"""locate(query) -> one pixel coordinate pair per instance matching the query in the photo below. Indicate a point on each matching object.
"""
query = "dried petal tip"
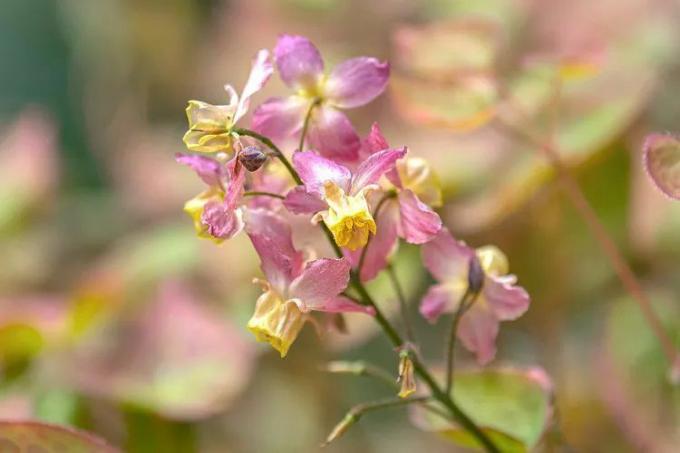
(340, 429)
(252, 158)
(475, 275)
(662, 162)
(406, 377)
(276, 322)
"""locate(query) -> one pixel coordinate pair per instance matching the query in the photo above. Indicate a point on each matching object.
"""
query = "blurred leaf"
(56, 406)
(514, 406)
(662, 162)
(43, 437)
(19, 342)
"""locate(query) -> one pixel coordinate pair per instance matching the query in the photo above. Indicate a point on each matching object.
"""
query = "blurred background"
(115, 318)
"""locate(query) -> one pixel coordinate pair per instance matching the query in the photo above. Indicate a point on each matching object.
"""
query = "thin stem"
(465, 302)
(257, 193)
(277, 152)
(361, 368)
(364, 251)
(602, 236)
(403, 307)
(305, 125)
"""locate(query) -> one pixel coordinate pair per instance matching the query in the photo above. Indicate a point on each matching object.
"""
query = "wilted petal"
(341, 304)
(381, 246)
(209, 170)
(418, 222)
(477, 330)
(415, 173)
(445, 257)
(299, 201)
(357, 81)
(437, 301)
(331, 134)
(209, 127)
(376, 165)
(221, 220)
(320, 281)
(280, 118)
(260, 72)
(504, 299)
(316, 170)
(299, 62)
(662, 162)
(272, 239)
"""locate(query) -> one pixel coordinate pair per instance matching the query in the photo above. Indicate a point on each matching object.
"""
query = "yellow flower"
(406, 377)
(348, 216)
(276, 321)
(417, 175)
(194, 208)
(493, 261)
(209, 127)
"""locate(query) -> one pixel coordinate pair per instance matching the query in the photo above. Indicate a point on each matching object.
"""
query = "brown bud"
(252, 158)
(475, 275)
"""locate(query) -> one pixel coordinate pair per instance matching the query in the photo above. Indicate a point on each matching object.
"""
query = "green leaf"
(43, 437)
(513, 406)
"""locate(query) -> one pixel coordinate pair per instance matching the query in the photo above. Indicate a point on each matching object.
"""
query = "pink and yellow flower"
(499, 299)
(353, 83)
(292, 288)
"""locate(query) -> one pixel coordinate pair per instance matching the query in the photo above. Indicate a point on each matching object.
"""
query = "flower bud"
(341, 428)
(475, 275)
(252, 158)
(406, 378)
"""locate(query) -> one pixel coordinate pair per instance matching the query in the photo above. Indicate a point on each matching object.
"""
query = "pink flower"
(215, 211)
(353, 83)
(408, 214)
(499, 299)
(338, 196)
(292, 287)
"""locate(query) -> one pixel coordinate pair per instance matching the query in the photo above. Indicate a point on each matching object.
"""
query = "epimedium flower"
(338, 196)
(404, 212)
(352, 83)
(498, 298)
(292, 288)
(215, 211)
(210, 126)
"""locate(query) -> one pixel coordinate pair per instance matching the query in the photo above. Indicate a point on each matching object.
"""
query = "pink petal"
(209, 170)
(418, 222)
(477, 331)
(222, 221)
(376, 165)
(445, 257)
(375, 140)
(260, 72)
(264, 181)
(437, 301)
(381, 246)
(341, 304)
(280, 118)
(506, 300)
(320, 281)
(357, 81)
(331, 134)
(237, 177)
(299, 201)
(315, 170)
(299, 62)
(272, 239)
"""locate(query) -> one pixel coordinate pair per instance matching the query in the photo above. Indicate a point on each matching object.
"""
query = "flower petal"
(261, 70)
(341, 304)
(505, 299)
(446, 258)
(316, 170)
(331, 134)
(272, 239)
(662, 162)
(356, 82)
(418, 222)
(209, 170)
(477, 331)
(438, 300)
(320, 281)
(280, 118)
(221, 220)
(299, 62)
(376, 165)
(381, 246)
(299, 201)
(375, 140)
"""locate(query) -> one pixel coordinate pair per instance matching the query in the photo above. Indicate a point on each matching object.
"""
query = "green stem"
(305, 125)
(403, 307)
(277, 152)
(361, 368)
(465, 302)
(257, 193)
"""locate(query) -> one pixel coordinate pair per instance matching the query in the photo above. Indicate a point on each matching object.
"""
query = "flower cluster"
(365, 194)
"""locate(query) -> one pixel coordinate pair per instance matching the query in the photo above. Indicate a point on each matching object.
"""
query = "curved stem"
(465, 302)
(305, 125)
(403, 307)
(381, 203)
(603, 238)
(258, 193)
(277, 152)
